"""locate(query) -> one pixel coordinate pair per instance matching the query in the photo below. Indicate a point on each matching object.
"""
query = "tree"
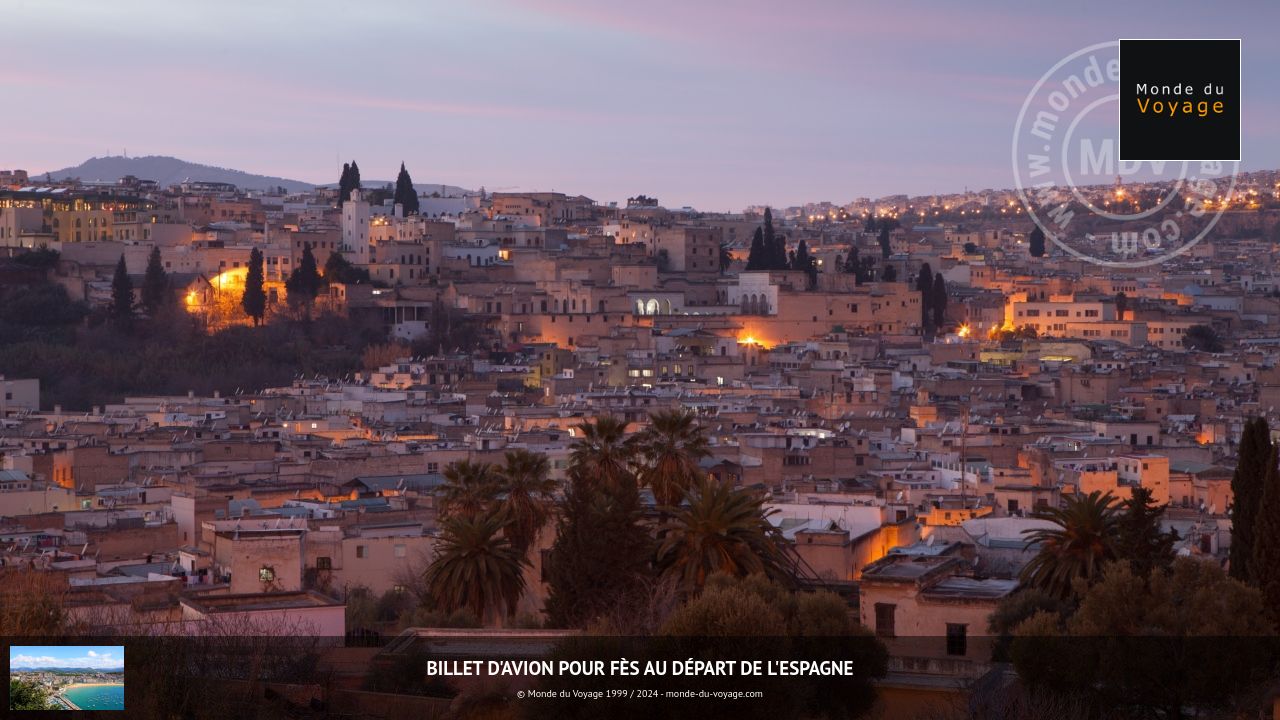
(28, 695)
(1190, 637)
(41, 256)
(254, 300)
(1203, 338)
(970, 249)
(121, 307)
(337, 269)
(1265, 567)
(155, 284)
(406, 196)
(1140, 540)
(924, 285)
(721, 529)
(671, 447)
(938, 299)
(602, 455)
(889, 274)
(754, 617)
(602, 555)
(1035, 242)
(806, 263)
(1122, 302)
(525, 496)
(349, 181)
(885, 248)
(304, 282)
(726, 258)
(1246, 489)
(476, 567)
(469, 488)
(1083, 541)
(775, 246)
(756, 258)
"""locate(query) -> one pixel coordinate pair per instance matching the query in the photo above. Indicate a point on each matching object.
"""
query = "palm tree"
(602, 454)
(476, 566)
(525, 495)
(469, 488)
(1083, 541)
(671, 447)
(720, 529)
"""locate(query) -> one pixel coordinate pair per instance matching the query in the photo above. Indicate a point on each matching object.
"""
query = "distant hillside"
(170, 171)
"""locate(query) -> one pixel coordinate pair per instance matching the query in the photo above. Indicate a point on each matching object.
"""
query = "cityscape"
(385, 419)
(66, 677)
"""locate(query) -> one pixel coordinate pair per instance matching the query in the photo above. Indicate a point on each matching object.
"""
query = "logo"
(1085, 199)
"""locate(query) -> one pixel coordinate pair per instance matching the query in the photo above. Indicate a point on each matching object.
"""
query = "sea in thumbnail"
(96, 697)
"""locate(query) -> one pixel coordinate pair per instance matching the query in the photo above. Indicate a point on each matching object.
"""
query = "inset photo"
(66, 677)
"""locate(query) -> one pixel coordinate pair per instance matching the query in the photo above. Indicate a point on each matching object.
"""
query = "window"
(884, 619)
(957, 639)
(267, 574)
(324, 563)
(360, 551)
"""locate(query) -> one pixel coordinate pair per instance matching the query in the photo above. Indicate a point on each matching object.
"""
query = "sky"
(66, 656)
(706, 103)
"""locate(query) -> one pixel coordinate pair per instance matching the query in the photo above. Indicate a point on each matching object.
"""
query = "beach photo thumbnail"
(66, 677)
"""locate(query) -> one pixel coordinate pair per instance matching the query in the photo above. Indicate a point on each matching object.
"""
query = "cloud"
(92, 660)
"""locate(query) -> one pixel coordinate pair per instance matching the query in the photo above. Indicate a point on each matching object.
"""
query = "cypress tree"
(851, 262)
(756, 259)
(1246, 488)
(781, 258)
(924, 281)
(1140, 541)
(121, 307)
(1265, 564)
(355, 176)
(939, 300)
(924, 285)
(304, 282)
(601, 555)
(405, 195)
(1036, 242)
(802, 258)
(254, 300)
(155, 284)
(775, 247)
(344, 183)
(889, 274)
(885, 249)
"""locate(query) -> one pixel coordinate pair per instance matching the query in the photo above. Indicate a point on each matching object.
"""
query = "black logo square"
(1180, 100)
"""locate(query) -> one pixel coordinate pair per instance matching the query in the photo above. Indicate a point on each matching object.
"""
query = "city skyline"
(681, 102)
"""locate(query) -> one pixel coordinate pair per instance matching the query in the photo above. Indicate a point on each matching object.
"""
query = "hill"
(168, 171)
